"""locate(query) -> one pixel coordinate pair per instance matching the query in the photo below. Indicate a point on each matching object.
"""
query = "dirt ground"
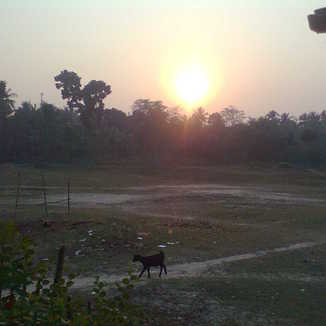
(244, 246)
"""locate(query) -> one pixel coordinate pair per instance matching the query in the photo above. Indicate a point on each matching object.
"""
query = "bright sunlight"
(191, 85)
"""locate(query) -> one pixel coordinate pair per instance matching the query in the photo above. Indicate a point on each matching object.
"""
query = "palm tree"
(7, 103)
(6, 108)
(199, 118)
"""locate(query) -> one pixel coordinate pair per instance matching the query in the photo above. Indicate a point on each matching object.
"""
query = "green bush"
(29, 297)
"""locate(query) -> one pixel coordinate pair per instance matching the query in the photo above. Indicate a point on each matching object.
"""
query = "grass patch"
(123, 174)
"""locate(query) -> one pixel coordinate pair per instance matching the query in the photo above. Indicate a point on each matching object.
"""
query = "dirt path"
(91, 199)
(195, 269)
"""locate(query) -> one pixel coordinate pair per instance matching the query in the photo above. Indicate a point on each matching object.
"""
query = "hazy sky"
(259, 54)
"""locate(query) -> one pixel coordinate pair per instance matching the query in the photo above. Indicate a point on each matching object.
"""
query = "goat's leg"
(148, 272)
(142, 272)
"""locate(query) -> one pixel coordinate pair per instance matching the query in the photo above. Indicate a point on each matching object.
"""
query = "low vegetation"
(29, 297)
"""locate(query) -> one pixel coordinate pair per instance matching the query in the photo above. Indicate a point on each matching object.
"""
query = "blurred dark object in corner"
(317, 21)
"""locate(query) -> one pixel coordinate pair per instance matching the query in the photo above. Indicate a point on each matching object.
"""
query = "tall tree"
(7, 105)
(7, 102)
(199, 118)
(88, 100)
(232, 116)
(215, 121)
(149, 122)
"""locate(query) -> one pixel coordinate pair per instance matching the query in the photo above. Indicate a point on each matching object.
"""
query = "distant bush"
(28, 297)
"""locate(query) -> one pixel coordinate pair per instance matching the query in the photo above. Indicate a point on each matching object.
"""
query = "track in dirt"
(195, 269)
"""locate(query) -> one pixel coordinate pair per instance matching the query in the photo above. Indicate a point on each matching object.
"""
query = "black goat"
(151, 261)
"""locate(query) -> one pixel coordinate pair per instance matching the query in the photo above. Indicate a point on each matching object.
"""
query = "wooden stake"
(17, 193)
(59, 267)
(89, 307)
(45, 197)
(68, 196)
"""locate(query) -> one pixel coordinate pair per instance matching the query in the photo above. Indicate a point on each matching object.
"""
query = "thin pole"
(59, 266)
(45, 197)
(17, 193)
(68, 196)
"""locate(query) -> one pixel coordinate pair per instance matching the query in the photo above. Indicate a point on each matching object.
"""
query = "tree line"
(87, 131)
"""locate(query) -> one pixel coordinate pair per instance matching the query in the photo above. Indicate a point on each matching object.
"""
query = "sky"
(258, 55)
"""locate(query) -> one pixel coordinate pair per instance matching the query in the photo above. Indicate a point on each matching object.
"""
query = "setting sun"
(191, 85)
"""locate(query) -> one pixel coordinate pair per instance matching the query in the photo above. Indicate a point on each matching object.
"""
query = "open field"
(197, 214)
(280, 289)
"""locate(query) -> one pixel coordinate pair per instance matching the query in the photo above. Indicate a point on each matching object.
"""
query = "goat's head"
(136, 258)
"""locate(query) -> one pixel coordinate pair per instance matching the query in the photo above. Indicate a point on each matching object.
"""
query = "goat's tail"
(162, 254)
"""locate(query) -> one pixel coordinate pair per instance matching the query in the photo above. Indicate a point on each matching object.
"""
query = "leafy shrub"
(29, 297)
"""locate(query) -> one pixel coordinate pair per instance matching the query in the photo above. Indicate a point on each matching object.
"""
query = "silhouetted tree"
(89, 100)
(195, 132)
(149, 123)
(232, 116)
(7, 105)
(86, 130)
(216, 122)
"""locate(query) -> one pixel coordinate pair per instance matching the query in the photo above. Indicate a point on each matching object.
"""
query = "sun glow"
(191, 85)
(190, 79)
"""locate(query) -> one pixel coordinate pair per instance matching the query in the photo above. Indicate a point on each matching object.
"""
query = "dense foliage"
(86, 130)
(29, 297)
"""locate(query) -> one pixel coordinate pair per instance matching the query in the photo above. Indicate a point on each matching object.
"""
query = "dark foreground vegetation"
(29, 297)
(86, 130)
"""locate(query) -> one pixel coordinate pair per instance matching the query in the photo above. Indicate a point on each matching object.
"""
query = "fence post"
(59, 267)
(68, 196)
(45, 197)
(89, 308)
(17, 193)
